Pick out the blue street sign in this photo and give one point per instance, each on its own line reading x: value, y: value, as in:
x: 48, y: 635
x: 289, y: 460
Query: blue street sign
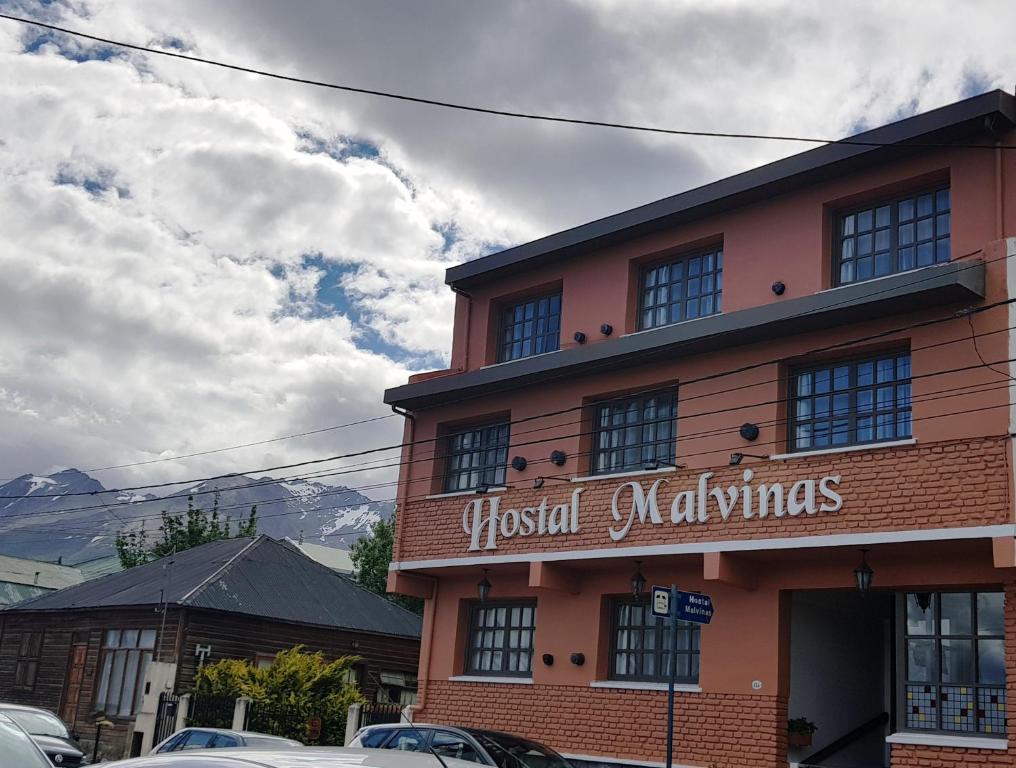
x: 691, y: 606
x: 661, y: 602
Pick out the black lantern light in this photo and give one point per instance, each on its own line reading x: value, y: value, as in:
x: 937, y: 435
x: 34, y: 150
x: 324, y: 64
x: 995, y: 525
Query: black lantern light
x: 638, y: 581
x: 863, y: 574
x: 483, y: 587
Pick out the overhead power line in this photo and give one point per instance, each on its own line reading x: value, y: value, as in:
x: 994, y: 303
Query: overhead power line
x: 708, y: 377
x: 485, y: 110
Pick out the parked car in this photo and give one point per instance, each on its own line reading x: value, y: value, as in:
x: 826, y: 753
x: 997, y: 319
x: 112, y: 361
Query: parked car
x: 220, y: 738
x: 304, y: 757
x: 474, y: 745
x: 49, y: 732
x: 17, y: 748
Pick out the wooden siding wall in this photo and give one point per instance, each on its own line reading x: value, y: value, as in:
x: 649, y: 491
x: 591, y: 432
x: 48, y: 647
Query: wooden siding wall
x: 60, y: 629
x: 234, y: 636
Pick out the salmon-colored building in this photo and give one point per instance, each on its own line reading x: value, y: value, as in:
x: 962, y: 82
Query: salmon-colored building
x: 772, y: 390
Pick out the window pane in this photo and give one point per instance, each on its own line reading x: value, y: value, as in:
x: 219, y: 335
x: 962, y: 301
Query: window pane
x: 640, y: 429
x: 130, y: 683
x: 921, y: 666
x: 989, y: 613
x: 116, y: 682
x: 955, y: 618
x: 530, y: 327
x: 682, y: 290
x: 957, y: 661
x: 477, y: 457
x: 920, y: 618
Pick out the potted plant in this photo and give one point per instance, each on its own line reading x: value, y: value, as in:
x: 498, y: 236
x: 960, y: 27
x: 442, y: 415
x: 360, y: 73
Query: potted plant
x: 799, y: 731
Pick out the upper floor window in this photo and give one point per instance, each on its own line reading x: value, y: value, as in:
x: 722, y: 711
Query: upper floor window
x: 894, y: 237
x: 852, y: 402
x: 501, y: 639
x: 954, y: 652
x: 530, y: 327
x: 640, y: 645
x: 681, y: 290
x: 477, y: 457
x: 630, y: 432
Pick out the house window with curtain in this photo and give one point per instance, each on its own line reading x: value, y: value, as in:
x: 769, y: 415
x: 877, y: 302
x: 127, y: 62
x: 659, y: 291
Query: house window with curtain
x: 501, y: 639
x: 953, y: 651
x: 126, y: 654
x: 477, y: 456
x: 640, y: 645
x: 631, y: 431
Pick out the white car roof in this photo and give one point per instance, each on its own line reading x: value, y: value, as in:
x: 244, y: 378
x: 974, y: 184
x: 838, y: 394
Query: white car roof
x: 297, y: 757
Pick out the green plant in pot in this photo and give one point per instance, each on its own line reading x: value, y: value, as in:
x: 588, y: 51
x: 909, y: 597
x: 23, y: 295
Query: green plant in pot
x: 799, y: 732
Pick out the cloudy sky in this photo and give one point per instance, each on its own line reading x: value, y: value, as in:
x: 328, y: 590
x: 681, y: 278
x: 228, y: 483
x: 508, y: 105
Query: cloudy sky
x: 194, y: 258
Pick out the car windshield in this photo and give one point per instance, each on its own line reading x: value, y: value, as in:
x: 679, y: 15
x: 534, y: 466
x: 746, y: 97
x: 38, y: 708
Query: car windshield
x: 38, y: 723
x: 17, y: 749
x: 513, y: 752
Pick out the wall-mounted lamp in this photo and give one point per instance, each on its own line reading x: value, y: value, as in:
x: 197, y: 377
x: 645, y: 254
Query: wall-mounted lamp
x: 558, y: 458
x: 483, y: 587
x: 519, y: 463
x: 749, y: 431
x: 481, y: 488
x: 537, y: 483
x: 863, y: 574
x: 580, y: 338
x: 578, y: 659
x: 737, y: 458
x: 654, y: 464
x: 638, y: 581
x: 548, y: 659
x: 923, y: 601
x: 606, y: 329
x: 779, y: 287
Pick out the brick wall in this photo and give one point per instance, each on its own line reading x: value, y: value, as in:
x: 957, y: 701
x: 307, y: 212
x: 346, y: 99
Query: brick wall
x: 710, y: 729
x: 940, y: 485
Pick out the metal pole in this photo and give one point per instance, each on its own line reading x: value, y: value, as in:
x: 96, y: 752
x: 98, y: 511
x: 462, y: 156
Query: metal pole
x: 95, y: 749
x: 673, y: 675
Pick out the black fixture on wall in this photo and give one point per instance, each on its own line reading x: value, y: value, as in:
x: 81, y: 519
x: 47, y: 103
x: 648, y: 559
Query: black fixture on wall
x: 606, y: 329
x: 558, y: 458
x: 580, y: 338
x: 519, y: 463
x: 749, y: 431
x: 578, y: 658
x: 779, y: 287
x: 548, y: 659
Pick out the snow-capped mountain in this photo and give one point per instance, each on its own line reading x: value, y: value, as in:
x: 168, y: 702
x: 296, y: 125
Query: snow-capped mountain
x: 45, y: 522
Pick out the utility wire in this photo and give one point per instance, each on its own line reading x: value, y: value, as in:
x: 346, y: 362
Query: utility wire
x: 487, y: 110
x: 941, y: 394
x: 244, y: 445
x: 708, y: 377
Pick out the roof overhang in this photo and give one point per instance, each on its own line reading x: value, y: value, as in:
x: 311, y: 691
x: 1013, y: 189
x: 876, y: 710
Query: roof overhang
x: 952, y: 283
x: 989, y: 114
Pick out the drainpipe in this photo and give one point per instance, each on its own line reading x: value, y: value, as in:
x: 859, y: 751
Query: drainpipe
x: 405, y: 471
x: 469, y: 315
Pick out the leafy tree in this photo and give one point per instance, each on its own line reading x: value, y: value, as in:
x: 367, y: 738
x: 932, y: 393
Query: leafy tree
x: 181, y: 531
x: 297, y: 686
x: 371, y: 557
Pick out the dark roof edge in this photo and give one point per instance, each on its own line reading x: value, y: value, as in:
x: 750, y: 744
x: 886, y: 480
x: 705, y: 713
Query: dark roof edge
x: 332, y: 627
x: 960, y: 116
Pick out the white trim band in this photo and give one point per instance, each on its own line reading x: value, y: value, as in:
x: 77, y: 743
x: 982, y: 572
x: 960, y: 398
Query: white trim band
x: 845, y: 449
x: 615, y: 475
x: 634, y: 685
x: 453, y: 494
x: 734, y: 545
x: 491, y: 679
x: 622, y: 761
x: 947, y: 740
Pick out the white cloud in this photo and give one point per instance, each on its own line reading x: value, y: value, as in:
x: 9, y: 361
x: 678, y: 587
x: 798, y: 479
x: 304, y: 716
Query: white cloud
x: 169, y: 307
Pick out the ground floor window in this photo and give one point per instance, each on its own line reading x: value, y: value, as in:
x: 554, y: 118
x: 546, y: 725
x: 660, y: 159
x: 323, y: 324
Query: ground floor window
x: 953, y: 650
x: 126, y: 654
x: 27, y: 667
x: 640, y: 645
x: 501, y: 639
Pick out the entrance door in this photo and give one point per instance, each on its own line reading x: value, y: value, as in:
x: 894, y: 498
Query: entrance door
x: 841, y: 676
x: 75, y: 674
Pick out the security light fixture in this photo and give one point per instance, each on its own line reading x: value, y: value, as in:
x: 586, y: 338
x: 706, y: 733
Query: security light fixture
x: 606, y: 329
x: 482, y: 488
x: 537, y: 483
x: 779, y: 287
x: 580, y: 338
x: 749, y: 431
x: 558, y: 458
x: 578, y: 659
x: 863, y: 574
x: 654, y: 464
x: 548, y: 659
x: 638, y: 581
x: 519, y: 463
x: 737, y: 458
x: 483, y: 587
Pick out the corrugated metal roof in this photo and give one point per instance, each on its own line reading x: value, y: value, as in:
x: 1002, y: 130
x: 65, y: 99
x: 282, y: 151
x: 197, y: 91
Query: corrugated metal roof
x: 14, y: 593
x: 18, y: 570
x: 260, y: 577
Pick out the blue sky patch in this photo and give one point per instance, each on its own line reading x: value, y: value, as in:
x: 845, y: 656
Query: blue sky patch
x: 95, y: 183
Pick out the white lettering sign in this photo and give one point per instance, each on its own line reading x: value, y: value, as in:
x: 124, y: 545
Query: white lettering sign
x: 484, y: 521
